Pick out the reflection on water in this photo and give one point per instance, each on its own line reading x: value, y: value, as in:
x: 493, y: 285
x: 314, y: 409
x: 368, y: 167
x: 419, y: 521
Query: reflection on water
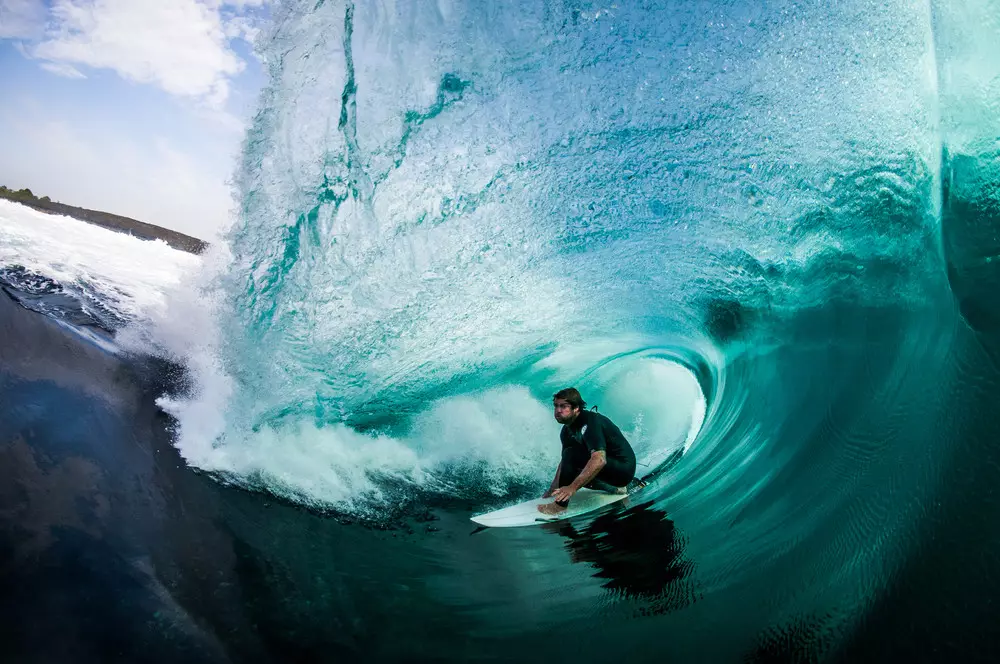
x: 639, y: 552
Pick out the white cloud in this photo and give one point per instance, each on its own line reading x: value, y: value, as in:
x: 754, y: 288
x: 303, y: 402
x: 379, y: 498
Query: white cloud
x: 181, y: 46
x: 62, y: 69
x: 101, y: 155
x: 21, y: 19
x: 242, y: 27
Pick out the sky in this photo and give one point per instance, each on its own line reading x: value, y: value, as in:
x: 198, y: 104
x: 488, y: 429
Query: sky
x: 135, y: 107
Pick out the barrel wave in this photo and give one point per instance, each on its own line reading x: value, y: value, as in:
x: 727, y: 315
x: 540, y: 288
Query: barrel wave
x: 455, y: 203
x: 722, y: 222
x: 760, y: 237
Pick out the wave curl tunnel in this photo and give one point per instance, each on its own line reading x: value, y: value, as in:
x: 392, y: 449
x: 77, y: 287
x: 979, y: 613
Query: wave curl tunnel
x: 724, y: 222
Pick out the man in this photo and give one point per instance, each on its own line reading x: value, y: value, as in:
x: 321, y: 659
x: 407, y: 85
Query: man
x: 595, y: 453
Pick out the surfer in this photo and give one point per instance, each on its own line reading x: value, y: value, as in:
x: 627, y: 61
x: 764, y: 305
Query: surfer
x: 595, y: 453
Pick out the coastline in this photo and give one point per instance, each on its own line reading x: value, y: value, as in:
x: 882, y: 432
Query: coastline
x: 114, y: 222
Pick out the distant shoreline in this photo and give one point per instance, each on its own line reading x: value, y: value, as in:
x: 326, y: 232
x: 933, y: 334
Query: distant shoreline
x: 107, y: 220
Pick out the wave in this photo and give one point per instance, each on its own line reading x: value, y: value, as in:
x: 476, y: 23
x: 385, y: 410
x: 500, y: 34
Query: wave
x: 412, y: 237
x: 713, y: 220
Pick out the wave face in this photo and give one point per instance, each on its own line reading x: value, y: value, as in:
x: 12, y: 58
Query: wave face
x: 724, y: 223
x: 463, y: 203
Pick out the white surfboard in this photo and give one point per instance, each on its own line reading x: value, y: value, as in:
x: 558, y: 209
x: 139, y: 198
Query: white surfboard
x: 527, y: 514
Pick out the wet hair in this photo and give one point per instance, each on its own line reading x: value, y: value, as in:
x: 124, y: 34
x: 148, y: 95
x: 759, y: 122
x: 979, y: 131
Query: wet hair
x: 571, y: 395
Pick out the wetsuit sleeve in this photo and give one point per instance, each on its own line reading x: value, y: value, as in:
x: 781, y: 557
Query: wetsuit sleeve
x: 593, y: 438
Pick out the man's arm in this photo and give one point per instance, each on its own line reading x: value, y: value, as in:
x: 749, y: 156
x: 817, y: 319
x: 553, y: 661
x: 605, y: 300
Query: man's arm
x: 555, y: 482
x: 598, y: 459
x: 589, y: 472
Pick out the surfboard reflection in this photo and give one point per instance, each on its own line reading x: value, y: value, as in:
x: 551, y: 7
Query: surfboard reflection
x: 638, y: 551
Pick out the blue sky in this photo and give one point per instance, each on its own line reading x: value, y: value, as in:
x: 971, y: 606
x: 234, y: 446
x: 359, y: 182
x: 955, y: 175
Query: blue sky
x: 136, y: 107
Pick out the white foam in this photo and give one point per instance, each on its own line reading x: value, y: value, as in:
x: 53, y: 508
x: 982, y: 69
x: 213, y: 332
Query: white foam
x: 480, y: 443
x: 186, y: 331
x: 130, y: 275
x: 501, y: 436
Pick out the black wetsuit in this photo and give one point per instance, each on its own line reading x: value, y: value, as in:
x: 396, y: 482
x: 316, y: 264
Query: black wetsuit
x: 588, y: 433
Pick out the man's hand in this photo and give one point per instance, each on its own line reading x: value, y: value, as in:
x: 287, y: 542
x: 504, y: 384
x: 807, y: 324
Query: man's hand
x: 564, y: 493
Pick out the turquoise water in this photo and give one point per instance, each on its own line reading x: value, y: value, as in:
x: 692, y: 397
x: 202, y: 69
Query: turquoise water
x: 755, y: 236
x: 449, y: 213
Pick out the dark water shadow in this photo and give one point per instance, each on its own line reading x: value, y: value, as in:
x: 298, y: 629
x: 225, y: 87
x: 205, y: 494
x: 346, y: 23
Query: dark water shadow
x: 639, y: 553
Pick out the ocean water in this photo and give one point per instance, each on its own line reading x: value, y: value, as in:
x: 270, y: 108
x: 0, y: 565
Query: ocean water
x: 59, y: 266
x: 761, y: 238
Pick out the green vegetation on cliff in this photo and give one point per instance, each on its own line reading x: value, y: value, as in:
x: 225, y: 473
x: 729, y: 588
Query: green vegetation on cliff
x: 22, y: 195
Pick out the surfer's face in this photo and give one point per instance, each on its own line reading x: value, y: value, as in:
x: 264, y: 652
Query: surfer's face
x: 564, y: 412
